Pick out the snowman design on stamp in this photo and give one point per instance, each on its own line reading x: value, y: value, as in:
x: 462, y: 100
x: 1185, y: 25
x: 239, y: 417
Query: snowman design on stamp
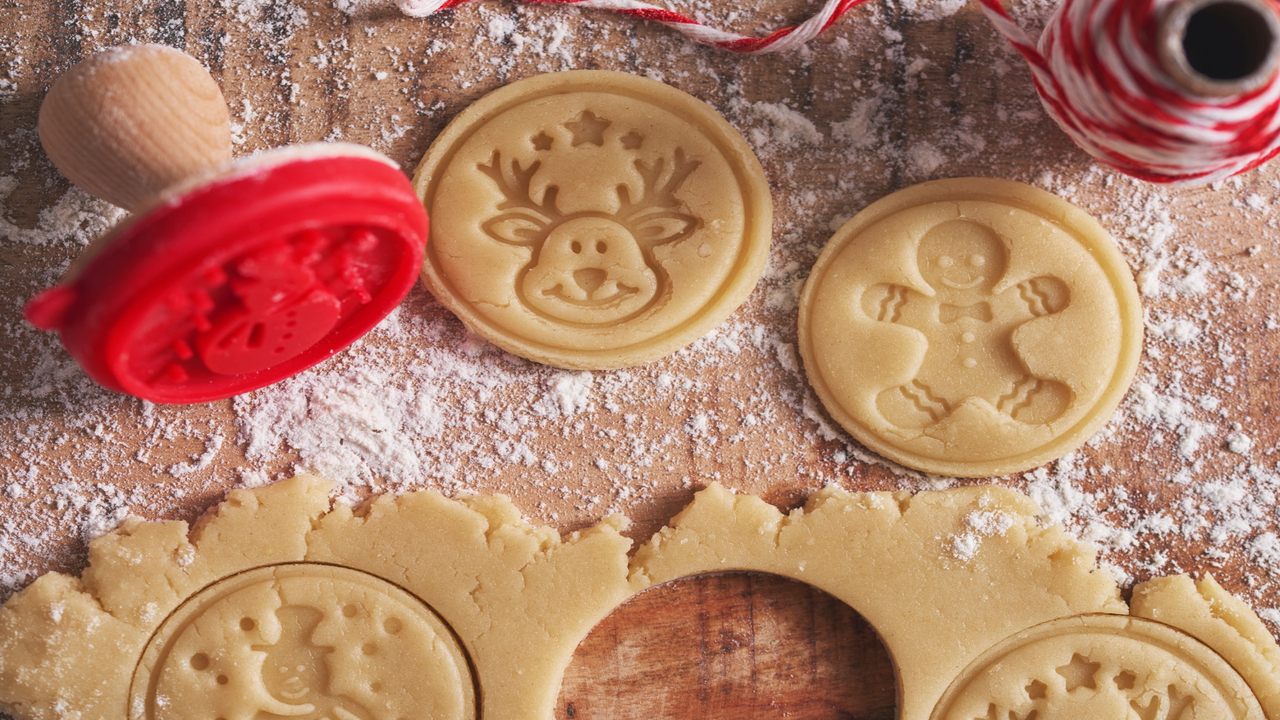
x: 969, y: 323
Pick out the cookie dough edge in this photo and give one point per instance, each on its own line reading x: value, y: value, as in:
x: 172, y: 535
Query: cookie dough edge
x: 519, y: 598
x: 882, y: 553
x: 1207, y: 612
x: 37, y: 684
x: 529, y: 567
x: 61, y: 638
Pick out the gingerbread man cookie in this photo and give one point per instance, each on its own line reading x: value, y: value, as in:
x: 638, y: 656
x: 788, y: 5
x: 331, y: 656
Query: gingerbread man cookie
x: 971, y: 327
x: 968, y: 325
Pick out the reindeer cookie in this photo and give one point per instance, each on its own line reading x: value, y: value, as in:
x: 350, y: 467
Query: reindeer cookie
x: 593, y: 219
x: 971, y: 327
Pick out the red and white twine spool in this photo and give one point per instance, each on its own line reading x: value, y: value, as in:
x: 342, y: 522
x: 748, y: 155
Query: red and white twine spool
x: 1127, y: 80
x: 1142, y: 85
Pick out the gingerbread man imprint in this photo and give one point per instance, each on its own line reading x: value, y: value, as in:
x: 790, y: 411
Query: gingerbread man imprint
x: 969, y: 324
x: 970, y: 327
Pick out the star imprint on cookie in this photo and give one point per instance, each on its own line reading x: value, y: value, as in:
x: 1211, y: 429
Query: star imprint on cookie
x: 1126, y: 680
x: 588, y: 129
x: 632, y: 140
x: 1079, y: 673
x: 542, y: 141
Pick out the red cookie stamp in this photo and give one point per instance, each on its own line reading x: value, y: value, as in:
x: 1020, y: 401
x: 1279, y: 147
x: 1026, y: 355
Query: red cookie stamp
x: 230, y: 276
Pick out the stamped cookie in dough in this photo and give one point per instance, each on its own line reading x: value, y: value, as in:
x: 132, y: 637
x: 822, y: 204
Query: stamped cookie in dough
x: 1100, y: 666
x: 305, y: 641
x: 971, y: 327
x: 592, y: 219
x: 280, y: 605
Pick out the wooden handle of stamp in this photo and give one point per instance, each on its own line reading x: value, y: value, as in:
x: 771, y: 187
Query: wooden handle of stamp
x: 131, y: 121
x: 1220, y: 48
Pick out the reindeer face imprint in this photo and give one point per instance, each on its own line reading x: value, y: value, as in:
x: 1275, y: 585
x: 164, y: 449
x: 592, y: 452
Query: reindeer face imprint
x: 592, y: 219
x: 590, y: 270
x: 970, y: 327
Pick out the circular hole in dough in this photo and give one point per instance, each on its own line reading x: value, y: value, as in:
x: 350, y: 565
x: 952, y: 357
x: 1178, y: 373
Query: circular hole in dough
x: 768, y: 640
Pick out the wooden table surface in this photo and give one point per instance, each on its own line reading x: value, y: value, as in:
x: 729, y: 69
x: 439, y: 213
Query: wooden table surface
x: 897, y: 92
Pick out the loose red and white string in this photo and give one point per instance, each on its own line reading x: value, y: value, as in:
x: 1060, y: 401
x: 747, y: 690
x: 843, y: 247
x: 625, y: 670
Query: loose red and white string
x: 785, y: 39
x: 1097, y: 72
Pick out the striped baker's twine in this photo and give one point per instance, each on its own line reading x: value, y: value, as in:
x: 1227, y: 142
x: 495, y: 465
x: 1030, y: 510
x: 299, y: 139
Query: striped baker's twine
x: 785, y: 39
x: 1101, y: 80
x: 1097, y: 72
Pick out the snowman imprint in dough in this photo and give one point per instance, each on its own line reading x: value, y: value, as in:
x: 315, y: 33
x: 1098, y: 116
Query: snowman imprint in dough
x: 969, y: 326
x: 296, y: 672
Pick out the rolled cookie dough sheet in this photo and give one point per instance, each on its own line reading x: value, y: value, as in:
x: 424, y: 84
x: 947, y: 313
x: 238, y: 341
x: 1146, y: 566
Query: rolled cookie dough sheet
x: 418, y: 605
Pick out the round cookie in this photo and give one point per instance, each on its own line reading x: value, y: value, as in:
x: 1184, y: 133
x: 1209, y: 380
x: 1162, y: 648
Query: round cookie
x: 1096, y: 666
x: 971, y: 327
x: 303, y: 640
x: 592, y: 219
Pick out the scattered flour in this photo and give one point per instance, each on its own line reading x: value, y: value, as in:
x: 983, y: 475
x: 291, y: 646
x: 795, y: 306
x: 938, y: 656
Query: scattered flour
x: 784, y: 127
x: 979, y: 525
x: 422, y: 403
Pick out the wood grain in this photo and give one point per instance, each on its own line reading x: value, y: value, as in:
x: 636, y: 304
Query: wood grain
x: 735, y: 410
x: 128, y: 123
x: 734, y: 646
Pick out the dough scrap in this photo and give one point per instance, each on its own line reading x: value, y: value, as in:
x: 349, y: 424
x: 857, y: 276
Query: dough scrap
x: 591, y: 219
x: 491, y: 608
x: 1222, y: 621
x: 887, y: 556
x: 971, y: 327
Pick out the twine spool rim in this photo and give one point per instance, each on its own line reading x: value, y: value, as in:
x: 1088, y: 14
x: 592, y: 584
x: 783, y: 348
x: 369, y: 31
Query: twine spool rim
x: 1172, y: 46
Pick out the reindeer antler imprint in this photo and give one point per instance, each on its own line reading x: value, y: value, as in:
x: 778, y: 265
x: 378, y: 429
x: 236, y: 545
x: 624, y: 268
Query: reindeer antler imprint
x: 602, y: 237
